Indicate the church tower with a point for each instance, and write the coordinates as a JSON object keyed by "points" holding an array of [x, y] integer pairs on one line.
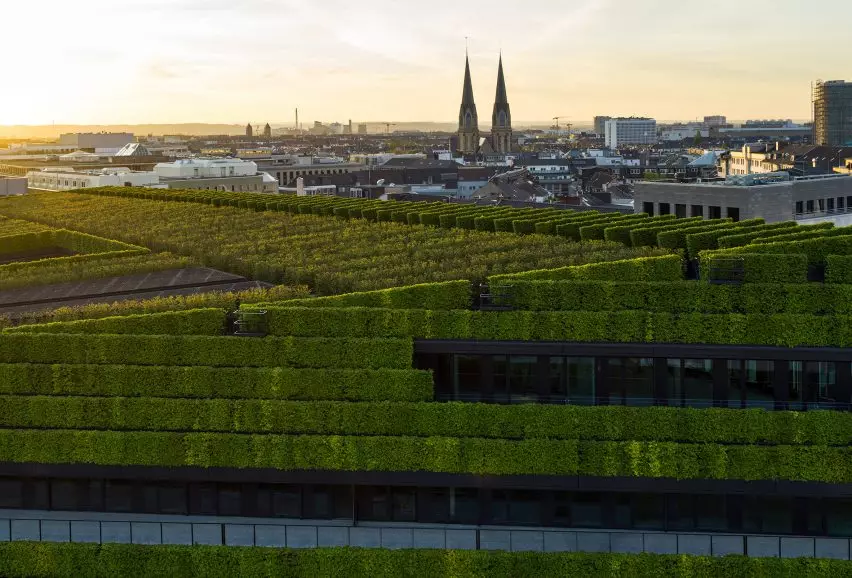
{"points": [[501, 119], [249, 131], [468, 119]]}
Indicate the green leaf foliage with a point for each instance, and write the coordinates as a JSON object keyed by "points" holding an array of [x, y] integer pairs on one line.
{"points": [[436, 296], [72, 560], [192, 322], [197, 382], [203, 350], [662, 268], [759, 268]]}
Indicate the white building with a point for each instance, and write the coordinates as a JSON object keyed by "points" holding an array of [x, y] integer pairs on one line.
{"points": [[378, 159], [630, 131], [206, 168], [65, 179], [12, 186]]}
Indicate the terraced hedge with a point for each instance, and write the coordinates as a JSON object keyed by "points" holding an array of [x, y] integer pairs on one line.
{"points": [[683, 297], [22, 559], [817, 250], [436, 296], [703, 241], [135, 381], [206, 351], [428, 420], [192, 322], [434, 454], [759, 267], [663, 268], [838, 269], [781, 330]]}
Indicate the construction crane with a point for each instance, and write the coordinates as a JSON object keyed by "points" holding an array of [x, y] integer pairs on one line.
{"points": [[388, 125], [556, 120]]}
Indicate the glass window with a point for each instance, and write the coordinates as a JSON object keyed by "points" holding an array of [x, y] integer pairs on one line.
{"points": [[558, 379], [736, 387], [758, 384], [681, 512], [820, 383], [63, 495], [11, 494], [665, 209], [285, 501], [562, 509], [648, 511], [711, 513], [203, 499], [830, 204], [587, 510], [734, 213], [404, 505], [838, 518], [809, 207], [622, 512], [434, 506], [516, 507], [500, 387], [522, 379], [171, 499], [464, 505], [230, 500], [119, 496], [800, 207], [715, 212], [697, 211], [796, 398], [674, 381], [467, 377], [581, 380], [637, 381], [698, 382], [840, 203], [680, 211], [777, 515]]}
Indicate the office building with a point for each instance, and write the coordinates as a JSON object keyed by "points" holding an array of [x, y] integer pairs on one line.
{"points": [[67, 179], [234, 175], [362, 128], [774, 197], [630, 131], [600, 124], [12, 186], [92, 141], [716, 120], [833, 113]]}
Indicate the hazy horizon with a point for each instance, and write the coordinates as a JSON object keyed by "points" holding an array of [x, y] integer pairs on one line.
{"points": [[150, 62]]}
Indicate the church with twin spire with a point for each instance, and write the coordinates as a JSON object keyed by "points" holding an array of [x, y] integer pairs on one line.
{"points": [[469, 140]]}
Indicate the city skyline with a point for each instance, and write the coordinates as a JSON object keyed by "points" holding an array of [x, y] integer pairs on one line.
{"points": [[221, 62]]}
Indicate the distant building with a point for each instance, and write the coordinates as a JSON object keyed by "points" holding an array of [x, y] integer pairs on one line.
{"points": [[716, 120], [774, 197], [800, 160], [630, 131], [66, 179], [362, 128], [267, 131], [469, 140], [99, 140], [12, 186], [600, 124], [833, 113], [249, 131], [215, 174], [770, 123]]}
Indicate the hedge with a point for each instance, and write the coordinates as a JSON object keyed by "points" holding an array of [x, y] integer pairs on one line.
{"points": [[192, 322], [130, 381], [703, 241], [806, 232], [433, 454], [72, 560], [683, 297], [436, 296], [70, 240], [817, 250], [780, 330], [663, 268], [676, 238], [596, 231], [621, 233], [745, 237], [759, 268], [647, 237], [203, 350], [429, 420], [838, 269]]}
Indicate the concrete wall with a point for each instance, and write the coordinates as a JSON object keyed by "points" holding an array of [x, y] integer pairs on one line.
{"points": [[20, 525], [12, 186], [250, 184]]}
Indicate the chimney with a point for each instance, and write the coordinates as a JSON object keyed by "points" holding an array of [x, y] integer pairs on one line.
{"points": [[300, 187]]}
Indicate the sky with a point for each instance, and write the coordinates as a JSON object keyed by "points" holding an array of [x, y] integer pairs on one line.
{"points": [[238, 61]]}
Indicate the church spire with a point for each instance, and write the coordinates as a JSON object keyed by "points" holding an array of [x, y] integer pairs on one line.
{"points": [[468, 118], [501, 97], [501, 119]]}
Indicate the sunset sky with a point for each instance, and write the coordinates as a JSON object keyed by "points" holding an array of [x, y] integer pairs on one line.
{"points": [[171, 61]]}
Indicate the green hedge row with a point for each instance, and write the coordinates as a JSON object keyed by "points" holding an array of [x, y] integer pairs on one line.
{"points": [[663, 268], [620, 233], [73, 560], [192, 322], [71, 240], [697, 242], [746, 237], [204, 350], [683, 297], [429, 420], [434, 454], [758, 267], [597, 231], [436, 296], [677, 238], [81, 267], [647, 236], [838, 269], [217, 382], [781, 330], [817, 250], [805, 232]]}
